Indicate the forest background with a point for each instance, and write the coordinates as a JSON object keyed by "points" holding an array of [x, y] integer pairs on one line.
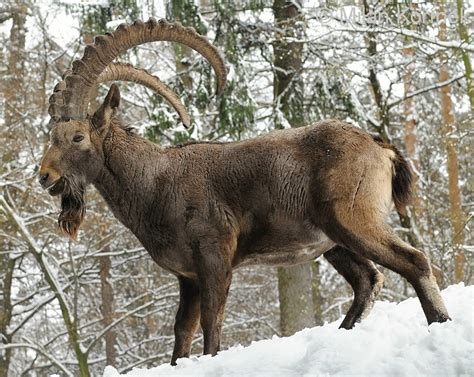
{"points": [[400, 69]]}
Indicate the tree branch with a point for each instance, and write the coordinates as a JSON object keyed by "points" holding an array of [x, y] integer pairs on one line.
{"points": [[408, 33], [426, 89], [41, 351]]}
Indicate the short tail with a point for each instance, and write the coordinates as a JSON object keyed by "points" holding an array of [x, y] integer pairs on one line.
{"points": [[402, 179]]}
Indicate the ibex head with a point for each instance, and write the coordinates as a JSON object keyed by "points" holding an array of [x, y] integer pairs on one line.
{"points": [[75, 147], [75, 155]]}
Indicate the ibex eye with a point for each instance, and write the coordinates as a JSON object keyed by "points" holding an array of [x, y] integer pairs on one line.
{"points": [[77, 138]]}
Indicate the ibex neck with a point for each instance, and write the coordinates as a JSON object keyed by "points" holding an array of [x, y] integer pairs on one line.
{"points": [[130, 175]]}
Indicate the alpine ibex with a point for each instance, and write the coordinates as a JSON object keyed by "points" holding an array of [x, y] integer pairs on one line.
{"points": [[203, 209]]}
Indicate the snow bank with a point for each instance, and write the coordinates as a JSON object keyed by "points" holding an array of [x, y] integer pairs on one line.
{"points": [[394, 340]]}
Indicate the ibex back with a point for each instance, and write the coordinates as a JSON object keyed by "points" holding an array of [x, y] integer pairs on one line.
{"points": [[203, 209]]}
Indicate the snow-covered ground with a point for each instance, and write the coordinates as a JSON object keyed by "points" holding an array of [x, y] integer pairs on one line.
{"points": [[393, 341]]}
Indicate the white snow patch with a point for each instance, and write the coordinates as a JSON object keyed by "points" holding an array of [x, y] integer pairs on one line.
{"points": [[111, 25], [393, 341]]}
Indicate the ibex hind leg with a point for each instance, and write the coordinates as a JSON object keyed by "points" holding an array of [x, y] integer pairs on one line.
{"points": [[364, 278], [377, 242]]}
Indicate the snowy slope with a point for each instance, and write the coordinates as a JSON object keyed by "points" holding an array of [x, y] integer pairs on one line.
{"points": [[393, 341]]}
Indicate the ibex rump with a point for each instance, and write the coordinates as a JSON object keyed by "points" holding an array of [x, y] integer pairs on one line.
{"points": [[203, 209]]}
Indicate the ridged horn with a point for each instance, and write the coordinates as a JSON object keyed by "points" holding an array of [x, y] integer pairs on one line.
{"points": [[127, 72], [71, 101]]}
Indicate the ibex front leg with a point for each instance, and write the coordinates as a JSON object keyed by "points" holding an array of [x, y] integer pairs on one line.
{"points": [[214, 273], [187, 318]]}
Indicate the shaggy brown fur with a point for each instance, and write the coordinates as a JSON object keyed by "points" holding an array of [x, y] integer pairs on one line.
{"points": [[402, 181], [283, 198], [73, 208]]}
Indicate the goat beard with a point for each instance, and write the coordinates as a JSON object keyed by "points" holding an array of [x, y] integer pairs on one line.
{"points": [[73, 208]]}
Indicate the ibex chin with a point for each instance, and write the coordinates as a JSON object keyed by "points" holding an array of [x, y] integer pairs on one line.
{"points": [[203, 209]]}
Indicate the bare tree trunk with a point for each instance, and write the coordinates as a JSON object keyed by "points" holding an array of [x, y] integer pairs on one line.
{"points": [[296, 300], [410, 132], [287, 81], [6, 269], [410, 139], [294, 283], [450, 138], [180, 11], [107, 308], [463, 34], [13, 101], [316, 291], [13, 90]]}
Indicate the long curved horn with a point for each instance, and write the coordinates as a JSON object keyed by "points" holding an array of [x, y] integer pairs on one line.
{"points": [[70, 100], [127, 72]]}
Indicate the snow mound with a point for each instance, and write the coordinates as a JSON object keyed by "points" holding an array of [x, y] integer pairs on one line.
{"points": [[393, 341]]}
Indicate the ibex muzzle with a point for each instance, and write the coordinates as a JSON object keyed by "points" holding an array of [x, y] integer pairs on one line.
{"points": [[203, 209]]}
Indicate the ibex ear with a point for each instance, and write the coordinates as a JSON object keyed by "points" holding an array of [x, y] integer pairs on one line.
{"points": [[101, 118]]}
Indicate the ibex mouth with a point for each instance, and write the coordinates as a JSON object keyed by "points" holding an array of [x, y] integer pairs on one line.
{"points": [[57, 187]]}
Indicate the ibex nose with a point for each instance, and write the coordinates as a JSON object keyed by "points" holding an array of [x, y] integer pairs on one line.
{"points": [[43, 178]]}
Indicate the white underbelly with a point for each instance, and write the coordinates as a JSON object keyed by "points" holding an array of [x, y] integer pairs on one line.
{"points": [[292, 255]]}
